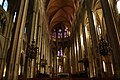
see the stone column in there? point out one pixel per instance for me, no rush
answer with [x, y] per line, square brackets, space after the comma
[7, 40]
[84, 40]
[56, 49]
[80, 50]
[76, 53]
[43, 50]
[93, 37]
[108, 66]
[33, 21]
[70, 58]
[73, 68]
[63, 59]
[20, 40]
[51, 61]
[112, 35]
[86, 49]
[10, 66]
[73, 57]
[34, 32]
[39, 45]
[41, 39]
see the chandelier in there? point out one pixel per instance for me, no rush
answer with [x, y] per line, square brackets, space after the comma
[32, 50]
[103, 47]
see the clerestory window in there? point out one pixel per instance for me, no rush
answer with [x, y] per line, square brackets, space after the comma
[4, 4]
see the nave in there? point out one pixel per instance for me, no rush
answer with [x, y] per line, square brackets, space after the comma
[59, 39]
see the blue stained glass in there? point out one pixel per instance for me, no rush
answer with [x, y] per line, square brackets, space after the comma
[5, 6]
[54, 35]
[1, 1]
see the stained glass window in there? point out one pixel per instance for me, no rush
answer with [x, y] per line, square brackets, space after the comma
[60, 53]
[1, 1]
[54, 35]
[65, 34]
[59, 33]
[5, 6]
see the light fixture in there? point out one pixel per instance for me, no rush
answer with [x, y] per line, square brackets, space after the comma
[103, 47]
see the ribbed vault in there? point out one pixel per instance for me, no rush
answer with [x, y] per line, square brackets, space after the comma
[61, 12]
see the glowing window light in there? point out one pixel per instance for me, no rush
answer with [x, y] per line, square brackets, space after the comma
[1, 1]
[94, 19]
[5, 6]
[118, 6]
[14, 17]
[99, 30]
[104, 67]
[4, 71]
[19, 71]
[86, 31]
[59, 68]
[60, 53]
[81, 39]
[112, 69]
[77, 46]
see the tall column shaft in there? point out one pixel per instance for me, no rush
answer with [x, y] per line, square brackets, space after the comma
[10, 67]
[20, 40]
[85, 40]
[93, 37]
[39, 47]
[41, 39]
[76, 53]
[113, 38]
[36, 23]
[73, 59]
[33, 21]
[80, 48]
[63, 62]
[34, 33]
[3, 60]
[56, 49]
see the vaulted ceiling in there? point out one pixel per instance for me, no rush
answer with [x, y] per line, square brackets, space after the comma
[61, 12]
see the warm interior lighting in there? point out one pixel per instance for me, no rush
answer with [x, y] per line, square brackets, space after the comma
[104, 67]
[60, 68]
[118, 6]
[112, 69]
[19, 70]
[4, 71]
[82, 44]
[57, 57]
[77, 46]
[68, 33]
[86, 31]
[14, 17]
[94, 18]
[81, 39]
[99, 30]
